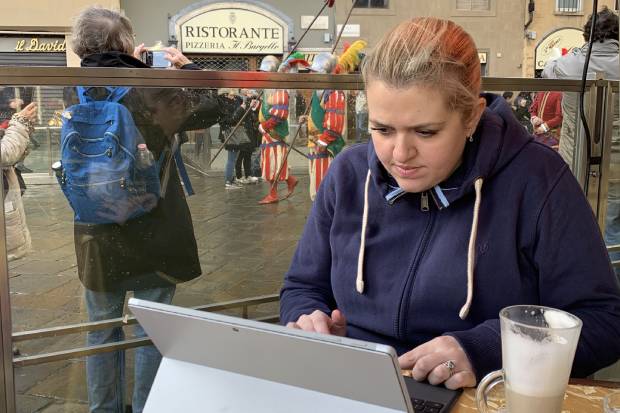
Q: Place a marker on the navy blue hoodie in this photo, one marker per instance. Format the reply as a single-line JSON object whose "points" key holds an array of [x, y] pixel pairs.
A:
{"points": [[537, 243]]}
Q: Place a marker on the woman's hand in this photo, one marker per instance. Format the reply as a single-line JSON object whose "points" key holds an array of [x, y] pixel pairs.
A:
{"points": [[175, 57], [319, 322], [431, 361], [15, 103], [137, 51], [29, 112]]}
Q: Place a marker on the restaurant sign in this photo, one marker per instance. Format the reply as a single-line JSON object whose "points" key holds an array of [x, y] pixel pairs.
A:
{"points": [[232, 30], [557, 44], [33, 45]]}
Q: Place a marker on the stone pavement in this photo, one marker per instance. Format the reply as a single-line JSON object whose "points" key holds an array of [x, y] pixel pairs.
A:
{"points": [[244, 249]]}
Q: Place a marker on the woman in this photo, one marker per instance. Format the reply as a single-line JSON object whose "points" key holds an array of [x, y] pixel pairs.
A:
{"points": [[232, 110], [452, 212], [546, 117], [13, 149], [250, 125], [150, 254]]}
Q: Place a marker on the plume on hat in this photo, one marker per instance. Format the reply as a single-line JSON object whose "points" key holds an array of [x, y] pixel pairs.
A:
{"points": [[351, 57], [294, 60]]}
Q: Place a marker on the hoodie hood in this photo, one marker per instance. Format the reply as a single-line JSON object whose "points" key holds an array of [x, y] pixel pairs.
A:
{"points": [[497, 140], [500, 135], [113, 59]]}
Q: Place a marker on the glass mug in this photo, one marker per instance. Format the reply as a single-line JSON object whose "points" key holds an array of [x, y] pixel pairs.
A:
{"points": [[538, 347]]}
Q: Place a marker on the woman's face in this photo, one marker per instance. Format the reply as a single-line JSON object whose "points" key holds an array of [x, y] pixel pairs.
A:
{"points": [[418, 140]]}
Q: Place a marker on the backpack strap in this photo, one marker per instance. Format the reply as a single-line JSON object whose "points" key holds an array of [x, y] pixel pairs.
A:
{"points": [[115, 94], [183, 172]]}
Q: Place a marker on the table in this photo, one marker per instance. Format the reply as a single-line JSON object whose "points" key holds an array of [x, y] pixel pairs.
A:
{"points": [[582, 396]]}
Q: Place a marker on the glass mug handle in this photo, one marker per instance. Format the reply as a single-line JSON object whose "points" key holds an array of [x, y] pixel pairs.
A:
{"points": [[484, 388]]}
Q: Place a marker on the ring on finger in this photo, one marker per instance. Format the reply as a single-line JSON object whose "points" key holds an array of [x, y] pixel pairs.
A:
{"points": [[450, 365]]}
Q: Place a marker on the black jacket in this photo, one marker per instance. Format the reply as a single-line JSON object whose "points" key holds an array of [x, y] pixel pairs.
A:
{"points": [[231, 112], [157, 249]]}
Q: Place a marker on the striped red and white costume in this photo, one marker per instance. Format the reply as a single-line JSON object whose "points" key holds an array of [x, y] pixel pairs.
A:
{"points": [[273, 118], [333, 106]]}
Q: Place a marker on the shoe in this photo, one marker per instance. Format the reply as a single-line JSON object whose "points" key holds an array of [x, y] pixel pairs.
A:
{"points": [[291, 183], [243, 181], [252, 180], [269, 199], [232, 185]]}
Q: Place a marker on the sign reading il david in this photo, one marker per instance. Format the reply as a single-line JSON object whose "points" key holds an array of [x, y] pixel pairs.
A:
{"points": [[221, 28]]}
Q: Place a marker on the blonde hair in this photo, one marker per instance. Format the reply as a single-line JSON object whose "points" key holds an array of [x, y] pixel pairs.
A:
{"points": [[100, 30], [428, 52]]}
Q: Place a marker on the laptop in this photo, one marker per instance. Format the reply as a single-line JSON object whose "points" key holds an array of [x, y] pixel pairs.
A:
{"points": [[217, 363]]}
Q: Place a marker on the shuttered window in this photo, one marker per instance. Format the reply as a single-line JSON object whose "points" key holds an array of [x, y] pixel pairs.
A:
{"points": [[568, 6], [473, 5], [371, 4]]}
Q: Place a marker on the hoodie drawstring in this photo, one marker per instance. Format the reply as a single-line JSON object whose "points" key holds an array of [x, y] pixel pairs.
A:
{"points": [[359, 280], [471, 250]]}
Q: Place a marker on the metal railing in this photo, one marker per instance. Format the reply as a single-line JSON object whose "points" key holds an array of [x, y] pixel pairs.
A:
{"points": [[243, 304], [599, 112]]}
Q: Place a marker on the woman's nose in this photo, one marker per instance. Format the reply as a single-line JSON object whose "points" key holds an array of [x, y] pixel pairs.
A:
{"points": [[404, 149]]}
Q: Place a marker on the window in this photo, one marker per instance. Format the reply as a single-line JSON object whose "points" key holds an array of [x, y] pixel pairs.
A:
{"points": [[371, 4], [568, 6], [221, 63], [472, 5]]}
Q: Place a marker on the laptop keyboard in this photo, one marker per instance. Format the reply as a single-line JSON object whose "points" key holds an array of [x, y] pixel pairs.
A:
{"points": [[424, 406]]}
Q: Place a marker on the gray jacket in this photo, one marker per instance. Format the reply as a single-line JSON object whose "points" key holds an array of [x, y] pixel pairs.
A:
{"points": [[13, 147], [604, 58]]}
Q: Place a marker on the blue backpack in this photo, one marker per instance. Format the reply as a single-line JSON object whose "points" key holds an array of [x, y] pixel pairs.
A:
{"points": [[98, 172]]}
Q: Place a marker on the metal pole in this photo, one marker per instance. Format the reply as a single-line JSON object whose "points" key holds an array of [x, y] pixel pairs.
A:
{"points": [[602, 137], [7, 383], [50, 156]]}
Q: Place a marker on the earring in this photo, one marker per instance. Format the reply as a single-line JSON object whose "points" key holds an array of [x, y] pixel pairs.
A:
{"points": [[470, 138]]}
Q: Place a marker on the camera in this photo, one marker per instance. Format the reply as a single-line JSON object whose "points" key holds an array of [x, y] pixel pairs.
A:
{"points": [[155, 58]]}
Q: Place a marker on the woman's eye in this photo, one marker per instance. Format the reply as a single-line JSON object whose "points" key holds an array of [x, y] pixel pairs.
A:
{"points": [[426, 133], [381, 131]]}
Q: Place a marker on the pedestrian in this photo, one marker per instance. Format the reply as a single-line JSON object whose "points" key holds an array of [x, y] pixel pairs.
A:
{"points": [[603, 59], [150, 254], [273, 126], [231, 112], [546, 117], [14, 140], [361, 117], [250, 127], [326, 121]]}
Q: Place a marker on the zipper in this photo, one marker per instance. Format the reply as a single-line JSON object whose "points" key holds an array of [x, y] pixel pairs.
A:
{"points": [[403, 307], [424, 202]]}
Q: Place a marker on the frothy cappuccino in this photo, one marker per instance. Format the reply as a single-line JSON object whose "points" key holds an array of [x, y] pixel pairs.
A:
{"points": [[537, 365]]}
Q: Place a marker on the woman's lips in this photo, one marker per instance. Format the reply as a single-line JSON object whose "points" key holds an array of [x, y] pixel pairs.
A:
{"points": [[406, 171]]}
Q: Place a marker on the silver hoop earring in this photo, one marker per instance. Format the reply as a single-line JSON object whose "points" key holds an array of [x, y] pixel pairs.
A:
{"points": [[470, 138]]}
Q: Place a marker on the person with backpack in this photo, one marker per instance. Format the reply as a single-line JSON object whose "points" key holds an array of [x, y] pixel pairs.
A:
{"points": [[144, 247]]}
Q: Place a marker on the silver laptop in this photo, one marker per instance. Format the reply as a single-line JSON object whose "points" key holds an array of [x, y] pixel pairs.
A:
{"points": [[216, 363]]}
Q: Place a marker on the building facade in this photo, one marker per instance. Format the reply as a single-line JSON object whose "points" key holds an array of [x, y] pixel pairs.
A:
{"points": [[37, 34], [231, 35], [554, 25]]}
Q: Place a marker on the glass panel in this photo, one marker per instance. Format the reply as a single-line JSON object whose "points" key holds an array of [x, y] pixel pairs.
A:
{"points": [[242, 249]]}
